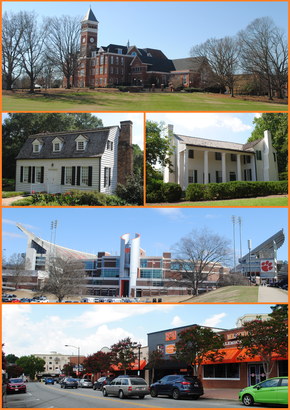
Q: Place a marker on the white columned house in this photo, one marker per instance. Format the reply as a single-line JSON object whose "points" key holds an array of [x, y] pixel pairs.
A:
{"points": [[200, 160]]}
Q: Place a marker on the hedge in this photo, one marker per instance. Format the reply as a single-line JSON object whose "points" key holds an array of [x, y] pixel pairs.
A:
{"points": [[158, 191], [234, 189]]}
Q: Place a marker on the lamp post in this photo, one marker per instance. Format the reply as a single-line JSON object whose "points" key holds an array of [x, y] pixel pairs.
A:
{"points": [[250, 247], [78, 355], [139, 348]]}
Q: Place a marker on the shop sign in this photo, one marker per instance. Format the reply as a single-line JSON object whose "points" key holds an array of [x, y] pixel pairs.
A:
{"points": [[170, 349], [170, 335]]}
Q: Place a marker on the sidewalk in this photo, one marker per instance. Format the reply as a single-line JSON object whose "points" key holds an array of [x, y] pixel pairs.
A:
{"points": [[222, 394], [272, 295]]}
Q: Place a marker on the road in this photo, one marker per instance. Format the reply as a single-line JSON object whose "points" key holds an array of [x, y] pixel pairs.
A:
{"points": [[52, 396]]}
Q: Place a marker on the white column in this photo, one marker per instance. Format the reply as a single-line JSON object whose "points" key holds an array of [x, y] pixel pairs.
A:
{"points": [[239, 170], [185, 176], [265, 158], [253, 167], [205, 169], [224, 169], [178, 166]]}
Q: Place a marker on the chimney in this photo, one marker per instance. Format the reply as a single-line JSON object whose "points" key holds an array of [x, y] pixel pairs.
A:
{"points": [[125, 152]]}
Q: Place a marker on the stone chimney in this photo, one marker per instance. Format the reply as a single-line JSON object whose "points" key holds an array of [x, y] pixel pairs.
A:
{"points": [[125, 152]]}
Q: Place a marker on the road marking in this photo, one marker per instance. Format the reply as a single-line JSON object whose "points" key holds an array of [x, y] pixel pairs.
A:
{"points": [[109, 399]]}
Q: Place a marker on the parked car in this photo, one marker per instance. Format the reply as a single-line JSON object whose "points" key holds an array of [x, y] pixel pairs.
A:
{"points": [[85, 383], [102, 381], [16, 386], [177, 386], [273, 390], [127, 387], [25, 300], [49, 380], [68, 382]]}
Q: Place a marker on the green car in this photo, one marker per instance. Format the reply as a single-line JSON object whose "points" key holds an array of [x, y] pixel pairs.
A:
{"points": [[269, 391]]}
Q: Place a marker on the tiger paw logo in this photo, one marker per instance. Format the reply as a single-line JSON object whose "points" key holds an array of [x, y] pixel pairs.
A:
{"points": [[267, 266]]}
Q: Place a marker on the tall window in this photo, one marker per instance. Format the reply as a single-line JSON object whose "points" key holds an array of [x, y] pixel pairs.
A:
{"points": [[218, 156], [112, 60], [85, 176], [234, 157], [259, 155], [25, 174], [190, 153], [107, 177], [68, 175], [101, 60], [38, 174]]}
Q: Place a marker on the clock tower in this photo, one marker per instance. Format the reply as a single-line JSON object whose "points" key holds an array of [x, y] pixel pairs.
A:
{"points": [[89, 34]]}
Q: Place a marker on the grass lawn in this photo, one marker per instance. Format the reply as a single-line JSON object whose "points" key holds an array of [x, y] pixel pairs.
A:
{"points": [[68, 100], [228, 294], [251, 202], [11, 194]]}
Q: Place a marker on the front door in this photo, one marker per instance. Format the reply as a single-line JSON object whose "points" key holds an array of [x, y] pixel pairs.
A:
{"points": [[52, 176], [255, 374]]}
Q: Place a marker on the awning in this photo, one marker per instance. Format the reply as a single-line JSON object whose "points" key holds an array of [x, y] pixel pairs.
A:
{"points": [[134, 366], [232, 354]]}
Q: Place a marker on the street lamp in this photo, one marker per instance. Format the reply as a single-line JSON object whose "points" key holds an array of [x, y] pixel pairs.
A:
{"points": [[250, 247], [139, 348], [78, 355]]}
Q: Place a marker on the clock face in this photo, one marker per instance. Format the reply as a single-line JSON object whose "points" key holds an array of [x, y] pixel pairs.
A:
{"points": [[84, 39], [92, 39]]}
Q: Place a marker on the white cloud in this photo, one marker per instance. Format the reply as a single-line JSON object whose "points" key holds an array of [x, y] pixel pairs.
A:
{"points": [[212, 216], [177, 321], [10, 222], [171, 213], [214, 320], [11, 235]]}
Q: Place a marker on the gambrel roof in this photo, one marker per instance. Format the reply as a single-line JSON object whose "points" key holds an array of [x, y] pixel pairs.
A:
{"points": [[95, 146]]}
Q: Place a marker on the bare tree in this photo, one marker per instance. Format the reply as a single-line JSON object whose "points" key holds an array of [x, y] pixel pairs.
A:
{"points": [[33, 59], [233, 279], [12, 46], [198, 255], [265, 52], [66, 277], [17, 269], [222, 57], [63, 44]]}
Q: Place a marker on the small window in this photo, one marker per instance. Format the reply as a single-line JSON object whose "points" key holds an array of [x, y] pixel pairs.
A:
{"points": [[56, 146], [108, 144], [80, 145], [117, 70], [134, 53], [274, 155], [233, 157], [259, 155], [111, 145], [218, 156], [190, 153], [36, 148], [119, 51], [107, 177]]}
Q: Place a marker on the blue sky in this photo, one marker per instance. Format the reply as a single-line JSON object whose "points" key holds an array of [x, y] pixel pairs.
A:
{"points": [[99, 229], [231, 127], [110, 119], [46, 328], [173, 27]]}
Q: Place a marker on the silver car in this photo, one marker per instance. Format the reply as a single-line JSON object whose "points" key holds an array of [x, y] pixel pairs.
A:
{"points": [[85, 383], [126, 387]]}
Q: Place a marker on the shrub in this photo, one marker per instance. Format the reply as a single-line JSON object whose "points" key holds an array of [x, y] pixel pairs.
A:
{"points": [[132, 192], [283, 176], [90, 198], [114, 200], [172, 192], [195, 192]]}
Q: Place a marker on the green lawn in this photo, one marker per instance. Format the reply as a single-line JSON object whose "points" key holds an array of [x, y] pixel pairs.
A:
{"points": [[252, 202], [109, 101], [228, 294]]}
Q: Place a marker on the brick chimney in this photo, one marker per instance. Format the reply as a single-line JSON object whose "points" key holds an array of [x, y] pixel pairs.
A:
{"points": [[125, 152]]}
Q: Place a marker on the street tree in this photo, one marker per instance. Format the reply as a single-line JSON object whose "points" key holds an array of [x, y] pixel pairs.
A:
{"points": [[264, 53], [17, 267], [283, 310], [66, 278], [159, 149], [17, 127], [31, 365], [11, 358], [68, 369], [156, 359], [266, 339], [98, 362], [198, 255], [4, 360], [63, 45], [14, 371], [33, 59], [278, 125], [222, 58], [138, 160], [197, 344], [12, 46], [123, 354]]}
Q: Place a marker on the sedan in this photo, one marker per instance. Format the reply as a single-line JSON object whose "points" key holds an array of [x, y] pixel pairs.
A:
{"points": [[68, 382], [101, 382], [49, 380], [16, 386], [273, 390], [85, 383]]}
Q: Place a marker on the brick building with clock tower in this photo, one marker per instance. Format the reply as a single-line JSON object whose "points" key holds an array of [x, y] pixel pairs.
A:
{"points": [[128, 65]]}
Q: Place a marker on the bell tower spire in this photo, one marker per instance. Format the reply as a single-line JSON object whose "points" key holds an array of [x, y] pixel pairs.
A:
{"points": [[89, 33]]}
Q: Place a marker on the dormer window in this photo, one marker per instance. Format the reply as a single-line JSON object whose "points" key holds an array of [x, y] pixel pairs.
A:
{"points": [[57, 144], [149, 55], [134, 53], [119, 51], [110, 145], [80, 145], [36, 146]]}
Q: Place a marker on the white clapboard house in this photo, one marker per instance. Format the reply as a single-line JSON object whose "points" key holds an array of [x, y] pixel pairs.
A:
{"points": [[91, 159]]}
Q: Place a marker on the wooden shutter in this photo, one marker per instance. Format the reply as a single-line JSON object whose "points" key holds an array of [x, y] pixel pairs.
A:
{"points": [[62, 175], [29, 174], [78, 175], [33, 175], [90, 176], [73, 175], [217, 176], [21, 174], [195, 176], [42, 175]]}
